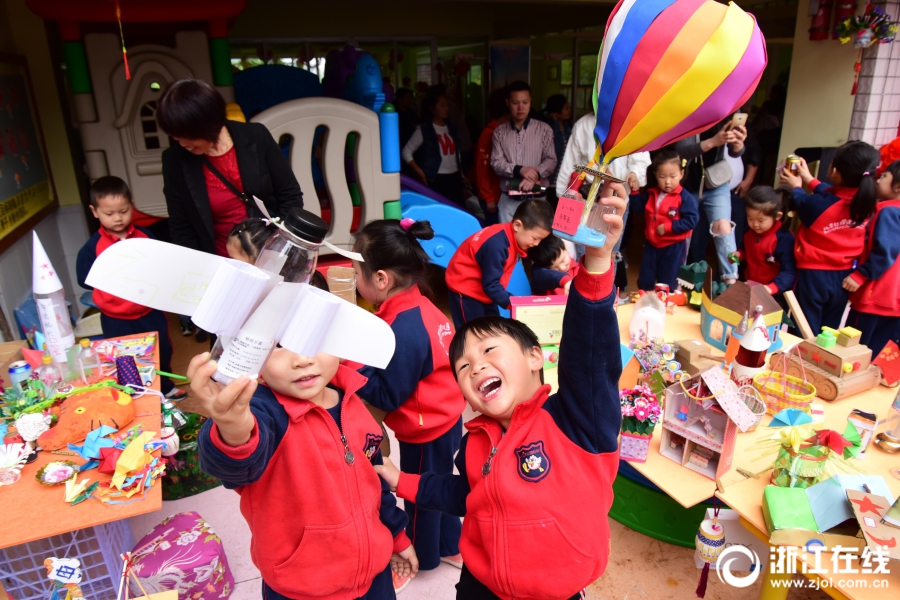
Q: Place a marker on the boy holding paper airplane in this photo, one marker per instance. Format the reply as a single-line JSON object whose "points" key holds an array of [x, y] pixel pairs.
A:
{"points": [[111, 204], [299, 449], [535, 470]]}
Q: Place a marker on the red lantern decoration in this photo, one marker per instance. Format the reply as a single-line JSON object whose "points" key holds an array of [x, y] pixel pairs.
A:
{"points": [[818, 28]]}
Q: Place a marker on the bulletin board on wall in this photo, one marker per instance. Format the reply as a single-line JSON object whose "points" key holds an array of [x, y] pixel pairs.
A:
{"points": [[27, 194]]}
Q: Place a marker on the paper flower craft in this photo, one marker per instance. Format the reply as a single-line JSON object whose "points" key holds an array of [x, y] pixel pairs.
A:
{"points": [[789, 417], [57, 472], [872, 27], [94, 442], [12, 459]]}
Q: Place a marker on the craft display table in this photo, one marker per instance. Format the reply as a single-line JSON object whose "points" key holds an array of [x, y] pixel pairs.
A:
{"points": [[42, 511], [744, 495]]}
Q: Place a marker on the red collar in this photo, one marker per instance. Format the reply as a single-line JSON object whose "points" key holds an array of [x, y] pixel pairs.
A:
{"points": [[770, 232], [659, 192], [114, 238], [522, 411], [511, 234], [345, 379], [399, 302]]}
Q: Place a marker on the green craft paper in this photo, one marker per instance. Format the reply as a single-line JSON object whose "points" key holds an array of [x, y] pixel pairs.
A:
{"points": [[789, 508]]}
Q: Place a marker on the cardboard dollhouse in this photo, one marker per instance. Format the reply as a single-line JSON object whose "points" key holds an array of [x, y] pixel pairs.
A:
{"points": [[700, 435], [719, 317]]}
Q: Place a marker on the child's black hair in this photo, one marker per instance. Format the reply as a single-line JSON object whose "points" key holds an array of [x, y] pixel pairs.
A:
{"points": [[492, 326], [109, 185], [857, 162], [768, 200], [894, 170], [666, 156], [386, 246], [534, 213], [318, 281], [545, 253], [252, 235]]}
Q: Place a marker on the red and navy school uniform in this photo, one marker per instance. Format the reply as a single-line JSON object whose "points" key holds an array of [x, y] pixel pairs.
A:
{"points": [[424, 408], [678, 212], [875, 306], [119, 317], [550, 282], [479, 272], [323, 523], [828, 243], [536, 496], [769, 258]]}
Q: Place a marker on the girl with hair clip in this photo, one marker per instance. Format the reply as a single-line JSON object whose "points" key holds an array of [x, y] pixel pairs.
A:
{"points": [[832, 232], [768, 246], [417, 389], [875, 286]]}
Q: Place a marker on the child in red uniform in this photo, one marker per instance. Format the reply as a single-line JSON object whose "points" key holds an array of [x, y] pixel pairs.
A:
{"points": [[111, 204], [552, 269], [417, 388], [768, 247], [535, 470], [875, 286], [672, 213], [832, 231], [299, 450], [482, 265]]}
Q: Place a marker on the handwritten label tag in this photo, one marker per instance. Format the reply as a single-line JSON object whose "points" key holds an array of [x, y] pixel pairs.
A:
{"points": [[568, 215]]}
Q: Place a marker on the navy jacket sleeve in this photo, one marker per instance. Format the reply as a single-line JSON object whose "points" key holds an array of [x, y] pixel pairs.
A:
{"points": [[145, 231], [886, 245], [86, 257], [391, 515], [446, 493], [690, 213], [587, 408], [810, 207], [492, 257], [271, 425], [390, 387], [784, 255], [544, 280]]}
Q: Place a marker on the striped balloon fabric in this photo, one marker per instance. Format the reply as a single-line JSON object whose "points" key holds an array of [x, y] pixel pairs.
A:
{"points": [[670, 69]]}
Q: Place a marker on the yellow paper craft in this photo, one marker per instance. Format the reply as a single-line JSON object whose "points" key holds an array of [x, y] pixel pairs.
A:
{"points": [[793, 436], [133, 458], [74, 489], [696, 298]]}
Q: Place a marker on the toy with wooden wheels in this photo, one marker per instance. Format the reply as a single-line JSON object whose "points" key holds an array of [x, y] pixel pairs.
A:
{"points": [[828, 386]]}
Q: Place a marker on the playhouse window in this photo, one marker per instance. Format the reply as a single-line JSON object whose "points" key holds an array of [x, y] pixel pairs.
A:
{"points": [[717, 330], [148, 124]]}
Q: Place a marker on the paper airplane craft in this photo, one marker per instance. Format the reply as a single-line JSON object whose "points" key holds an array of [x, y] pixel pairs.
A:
{"points": [[789, 417], [94, 442], [242, 304]]}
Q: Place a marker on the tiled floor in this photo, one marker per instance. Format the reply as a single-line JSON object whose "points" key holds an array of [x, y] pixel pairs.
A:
{"points": [[640, 567]]}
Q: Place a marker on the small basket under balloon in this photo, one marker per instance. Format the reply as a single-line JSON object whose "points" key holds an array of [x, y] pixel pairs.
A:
{"points": [[581, 221]]}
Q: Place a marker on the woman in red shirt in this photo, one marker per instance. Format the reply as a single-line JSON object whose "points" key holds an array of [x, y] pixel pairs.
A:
{"points": [[212, 174]]}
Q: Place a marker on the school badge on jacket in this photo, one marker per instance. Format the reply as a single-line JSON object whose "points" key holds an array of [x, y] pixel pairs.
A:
{"points": [[373, 443], [533, 462]]}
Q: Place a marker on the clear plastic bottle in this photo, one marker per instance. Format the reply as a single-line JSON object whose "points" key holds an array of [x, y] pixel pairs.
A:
{"points": [[290, 255], [88, 361], [50, 375]]}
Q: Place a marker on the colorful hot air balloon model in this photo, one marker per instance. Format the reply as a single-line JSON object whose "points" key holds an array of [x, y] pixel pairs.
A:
{"points": [[668, 69]]}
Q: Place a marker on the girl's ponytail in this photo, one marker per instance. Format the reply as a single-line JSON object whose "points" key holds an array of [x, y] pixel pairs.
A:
{"points": [[856, 162]]}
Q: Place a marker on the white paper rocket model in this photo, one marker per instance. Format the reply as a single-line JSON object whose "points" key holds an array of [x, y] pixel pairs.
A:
{"points": [[44, 279], [751, 357]]}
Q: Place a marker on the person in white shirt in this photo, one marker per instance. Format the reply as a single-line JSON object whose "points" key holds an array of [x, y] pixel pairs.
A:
{"points": [[433, 150]]}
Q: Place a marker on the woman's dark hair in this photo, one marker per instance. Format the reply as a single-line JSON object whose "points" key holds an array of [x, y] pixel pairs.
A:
{"points": [[252, 235], [386, 246], [555, 104], [547, 251], [666, 156], [191, 109], [768, 200], [434, 94], [492, 326], [857, 162]]}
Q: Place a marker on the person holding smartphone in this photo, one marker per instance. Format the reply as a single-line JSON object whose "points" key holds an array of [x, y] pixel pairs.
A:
{"points": [[704, 154]]}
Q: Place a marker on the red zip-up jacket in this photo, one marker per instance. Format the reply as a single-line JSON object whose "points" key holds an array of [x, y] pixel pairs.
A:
{"points": [[109, 305], [487, 180], [879, 270], [827, 239], [770, 258], [678, 212], [417, 388], [536, 497], [322, 526], [483, 263]]}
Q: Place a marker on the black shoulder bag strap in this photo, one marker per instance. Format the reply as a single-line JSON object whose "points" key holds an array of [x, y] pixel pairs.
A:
{"points": [[244, 197]]}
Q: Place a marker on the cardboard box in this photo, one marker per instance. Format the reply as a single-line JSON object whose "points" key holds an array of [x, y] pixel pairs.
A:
{"points": [[543, 314], [832, 360], [690, 354], [10, 352]]}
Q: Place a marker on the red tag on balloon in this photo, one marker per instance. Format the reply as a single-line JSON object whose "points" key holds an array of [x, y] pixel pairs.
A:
{"points": [[568, 215]]}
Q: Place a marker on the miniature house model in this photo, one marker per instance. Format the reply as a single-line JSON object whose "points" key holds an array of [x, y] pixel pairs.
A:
{"points": [[719, 317], [700, 435]]}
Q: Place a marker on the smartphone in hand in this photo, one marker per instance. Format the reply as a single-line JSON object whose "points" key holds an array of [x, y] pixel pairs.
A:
{"points": [[738, 120]]}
